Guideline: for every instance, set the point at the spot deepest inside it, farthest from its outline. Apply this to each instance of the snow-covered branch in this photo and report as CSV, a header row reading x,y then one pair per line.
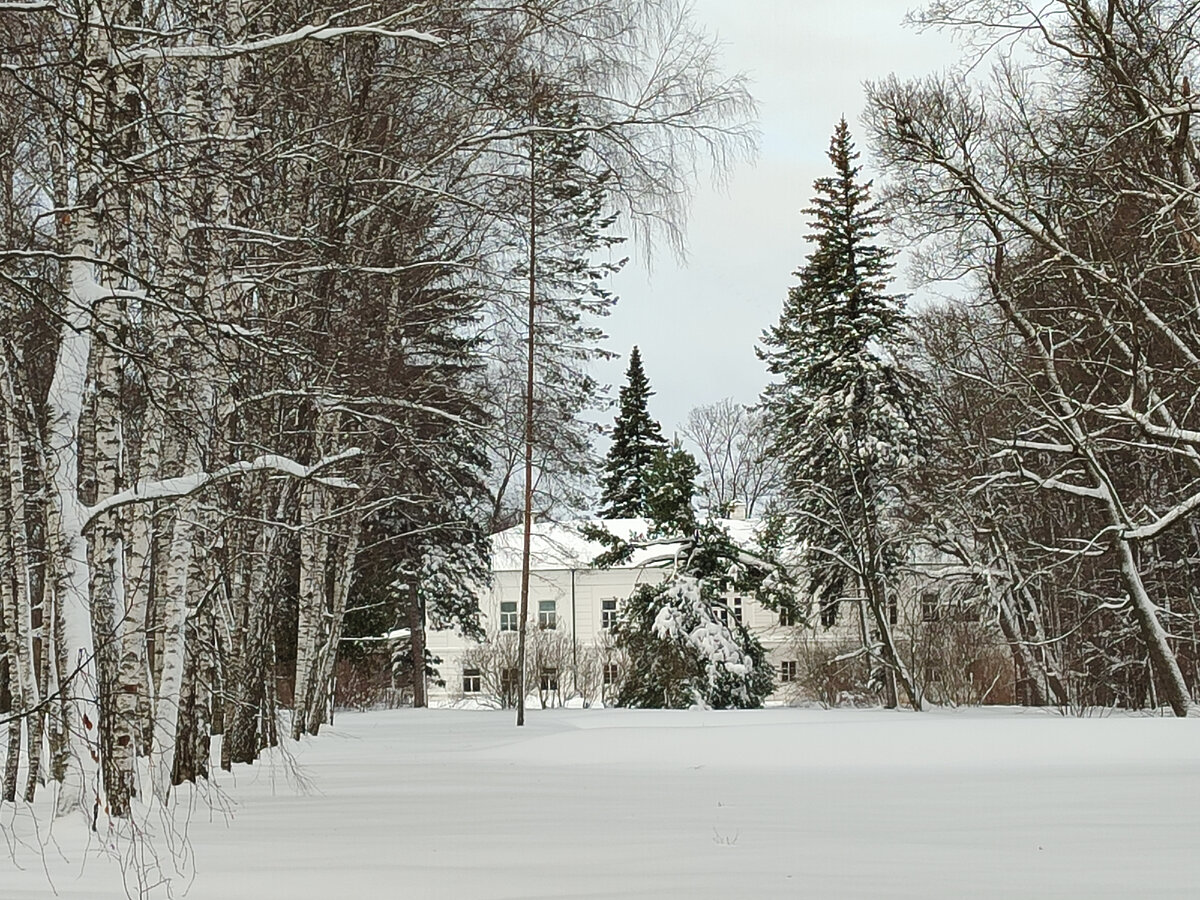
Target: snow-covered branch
x,y
186,485
326,31
1163,522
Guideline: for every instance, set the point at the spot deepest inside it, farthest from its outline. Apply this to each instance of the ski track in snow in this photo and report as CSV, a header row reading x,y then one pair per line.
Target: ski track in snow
x,y
690,804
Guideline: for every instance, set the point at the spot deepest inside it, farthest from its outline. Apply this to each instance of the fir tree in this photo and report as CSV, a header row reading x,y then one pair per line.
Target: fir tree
x,y
683,640
681,636
637,439
842,412
671,484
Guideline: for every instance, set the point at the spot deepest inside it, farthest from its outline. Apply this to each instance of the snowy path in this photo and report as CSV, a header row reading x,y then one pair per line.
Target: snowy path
x,y
774,803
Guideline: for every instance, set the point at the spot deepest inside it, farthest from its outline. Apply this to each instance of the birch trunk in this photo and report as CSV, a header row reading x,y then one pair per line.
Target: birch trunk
x,y
135,695
65,402
341,592
116,735
8,659
174,648
311,600
17,594
192,739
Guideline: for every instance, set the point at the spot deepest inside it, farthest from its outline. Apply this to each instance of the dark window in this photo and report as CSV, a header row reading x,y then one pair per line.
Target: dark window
x,y
788,670
508,684
611,674
930,606
786,616
547,616
893,609
829,612
508,615
737,610
608,613
548,680
472,681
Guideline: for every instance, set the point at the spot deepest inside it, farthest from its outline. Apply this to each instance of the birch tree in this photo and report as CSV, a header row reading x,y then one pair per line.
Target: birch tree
x,y
1064,190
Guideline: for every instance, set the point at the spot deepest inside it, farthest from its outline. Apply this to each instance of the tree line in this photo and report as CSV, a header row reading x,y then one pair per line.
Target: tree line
x,y
262,269
1033,438
1029,444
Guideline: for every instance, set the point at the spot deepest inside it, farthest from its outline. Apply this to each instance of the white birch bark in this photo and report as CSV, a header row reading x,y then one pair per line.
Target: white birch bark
x,y
311,600
116,735
65,402
174,648
18,612
327,658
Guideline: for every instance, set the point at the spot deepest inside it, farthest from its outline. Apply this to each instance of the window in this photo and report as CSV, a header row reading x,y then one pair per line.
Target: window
x,y
893,609
547,617
788,670
929,606
829,612
472,681
786,616
548,680
508,683
608,613
508,615
611,674
737,610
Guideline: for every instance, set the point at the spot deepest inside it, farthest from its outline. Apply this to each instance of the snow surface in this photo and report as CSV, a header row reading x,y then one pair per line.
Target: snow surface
x,y
689,804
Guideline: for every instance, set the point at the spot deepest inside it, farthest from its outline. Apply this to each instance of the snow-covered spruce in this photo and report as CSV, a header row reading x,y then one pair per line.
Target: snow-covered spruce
x,y
845,415
682,637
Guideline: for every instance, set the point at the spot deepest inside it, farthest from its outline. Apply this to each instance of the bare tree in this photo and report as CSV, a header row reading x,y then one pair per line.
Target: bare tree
x,y
734,450
1067,192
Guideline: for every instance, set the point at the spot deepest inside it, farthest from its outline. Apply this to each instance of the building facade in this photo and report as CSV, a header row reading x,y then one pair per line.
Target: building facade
x,y
573,606
941,628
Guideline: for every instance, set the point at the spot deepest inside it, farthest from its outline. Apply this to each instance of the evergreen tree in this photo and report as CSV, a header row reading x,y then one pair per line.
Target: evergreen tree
x,y
843,414
683,640
637,439
671,484
681,636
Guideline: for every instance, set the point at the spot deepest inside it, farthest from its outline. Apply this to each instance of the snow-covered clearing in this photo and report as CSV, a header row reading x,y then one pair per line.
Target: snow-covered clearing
x,y
730,805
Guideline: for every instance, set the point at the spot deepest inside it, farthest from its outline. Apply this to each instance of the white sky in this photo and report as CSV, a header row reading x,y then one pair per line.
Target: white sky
x,y
697,324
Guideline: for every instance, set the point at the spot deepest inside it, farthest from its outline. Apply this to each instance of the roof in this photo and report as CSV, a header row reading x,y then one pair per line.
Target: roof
x,y
561,545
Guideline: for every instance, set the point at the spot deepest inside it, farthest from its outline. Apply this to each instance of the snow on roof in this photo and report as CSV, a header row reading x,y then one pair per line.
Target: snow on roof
x,y
562,545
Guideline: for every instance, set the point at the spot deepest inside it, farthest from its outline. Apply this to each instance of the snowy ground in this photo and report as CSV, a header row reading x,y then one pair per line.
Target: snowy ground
x,y
731,805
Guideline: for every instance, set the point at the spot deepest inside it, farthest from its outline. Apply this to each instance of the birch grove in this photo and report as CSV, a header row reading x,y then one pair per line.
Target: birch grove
x,y
254,259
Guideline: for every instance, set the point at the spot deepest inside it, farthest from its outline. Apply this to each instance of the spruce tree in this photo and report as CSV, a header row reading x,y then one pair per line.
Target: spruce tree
x,y
671,484
636,440
843,414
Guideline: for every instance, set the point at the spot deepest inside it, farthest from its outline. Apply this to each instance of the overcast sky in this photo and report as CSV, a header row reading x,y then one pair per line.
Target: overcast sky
x,y
697,324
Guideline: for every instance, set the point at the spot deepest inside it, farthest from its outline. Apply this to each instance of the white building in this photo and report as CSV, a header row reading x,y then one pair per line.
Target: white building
x,y
572,607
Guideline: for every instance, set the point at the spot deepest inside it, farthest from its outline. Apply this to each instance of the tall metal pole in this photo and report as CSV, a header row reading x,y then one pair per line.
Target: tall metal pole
x,y
528,435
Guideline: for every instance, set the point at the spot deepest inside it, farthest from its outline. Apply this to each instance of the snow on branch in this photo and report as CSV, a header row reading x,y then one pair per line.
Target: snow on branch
x,y
1048,482
326,31
1143,421
1165,521
352,405
186,485
1026,444
1051,483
